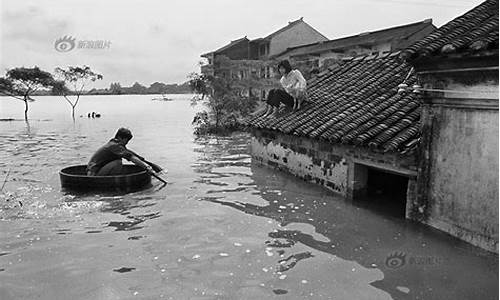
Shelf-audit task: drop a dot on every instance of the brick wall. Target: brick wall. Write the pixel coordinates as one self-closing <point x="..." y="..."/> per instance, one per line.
<point x="329" y="165"/>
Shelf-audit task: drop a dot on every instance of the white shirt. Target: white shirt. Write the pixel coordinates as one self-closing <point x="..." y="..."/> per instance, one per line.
<point x="293" y="82"/>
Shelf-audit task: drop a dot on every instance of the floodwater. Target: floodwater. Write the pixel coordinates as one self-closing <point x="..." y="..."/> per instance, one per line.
<point x="223" y="228"/>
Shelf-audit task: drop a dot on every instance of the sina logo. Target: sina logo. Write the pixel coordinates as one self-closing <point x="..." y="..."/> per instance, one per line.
<point x="395" y="260"/>
<point x="65" y="44"/>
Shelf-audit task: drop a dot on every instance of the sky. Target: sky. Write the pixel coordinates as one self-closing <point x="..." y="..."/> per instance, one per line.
<point x="159" y="40"/>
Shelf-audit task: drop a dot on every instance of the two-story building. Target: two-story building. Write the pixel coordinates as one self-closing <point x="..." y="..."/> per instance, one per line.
<point x="250" y="58"/>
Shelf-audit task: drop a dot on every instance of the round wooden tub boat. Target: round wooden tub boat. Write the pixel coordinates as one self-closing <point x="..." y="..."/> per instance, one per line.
<point x="133" y="178"/>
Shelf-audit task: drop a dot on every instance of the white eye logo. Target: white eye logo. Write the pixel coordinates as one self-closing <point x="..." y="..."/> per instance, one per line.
<point x="395" y="260"/>
<point x="65" y="44"/>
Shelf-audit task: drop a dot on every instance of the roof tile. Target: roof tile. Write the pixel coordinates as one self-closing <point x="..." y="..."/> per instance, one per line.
<point x="356" y="103"/>
<point x="474" y="31"/>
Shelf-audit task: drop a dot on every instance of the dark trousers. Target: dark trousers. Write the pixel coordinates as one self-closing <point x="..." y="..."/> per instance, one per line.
<point x="278" y="96"/>
<point x="112" y="168"/>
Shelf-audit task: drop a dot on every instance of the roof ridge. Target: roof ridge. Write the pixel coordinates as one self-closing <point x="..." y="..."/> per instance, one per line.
<point x="357" y="35"/>
<point x="289" y="25"/>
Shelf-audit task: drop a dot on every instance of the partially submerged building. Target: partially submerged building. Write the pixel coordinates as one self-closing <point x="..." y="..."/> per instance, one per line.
<point x="369" y="128"/>
<point x="458" y="179"/>
<point x="355" y="130"/>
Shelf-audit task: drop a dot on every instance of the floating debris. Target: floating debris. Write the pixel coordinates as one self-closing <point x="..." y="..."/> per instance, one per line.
<point x="280" y="291"/>
<point x="403" y="289"/>
<point x="123" y="270"/>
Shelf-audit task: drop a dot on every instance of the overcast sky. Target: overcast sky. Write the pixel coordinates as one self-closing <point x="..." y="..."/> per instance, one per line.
<point x="159" y="40"/>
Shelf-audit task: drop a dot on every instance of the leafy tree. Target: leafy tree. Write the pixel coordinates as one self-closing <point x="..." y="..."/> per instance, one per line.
<point x="157" y="88"/>
<point x="72" y="81"/>
<point x="225" y="105"/>
<point x="115" y="88"/>
<point x="21" y="83"/>
<point x="136" y="89"/>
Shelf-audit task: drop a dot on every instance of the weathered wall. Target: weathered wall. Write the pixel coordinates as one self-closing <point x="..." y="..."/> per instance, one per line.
<point x="300" y="34"/>
<point x="332" y="166"/>
<point x="459" y="181"/>
<point x="464" y="174"/>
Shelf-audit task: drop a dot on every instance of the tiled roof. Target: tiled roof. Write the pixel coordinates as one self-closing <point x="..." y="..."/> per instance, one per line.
<point x="231" y="44"/>
<point x="473" y="32"/>
<point x="401" y="32"/>
<point x="356" y="104"/>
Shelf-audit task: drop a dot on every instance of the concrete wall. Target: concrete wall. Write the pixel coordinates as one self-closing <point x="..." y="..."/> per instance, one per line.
<point x="300" y="34"/>
<point x="459" y="178"/>
<point x="336" y="167"/>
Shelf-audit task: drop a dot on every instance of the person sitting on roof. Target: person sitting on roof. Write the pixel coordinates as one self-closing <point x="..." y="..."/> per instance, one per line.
<point x="293" y="92"/>
<point x="107" y="160"/>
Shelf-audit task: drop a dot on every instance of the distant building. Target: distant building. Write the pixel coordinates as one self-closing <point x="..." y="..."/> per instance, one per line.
<point x="374" y="42"/>
<point x="307" y="49"/>
<point x="458" y="180"/>
<point x="294" y="34"/>
<point x="249" y="58"/>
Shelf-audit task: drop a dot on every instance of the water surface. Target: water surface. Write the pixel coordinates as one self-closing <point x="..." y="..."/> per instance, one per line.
<point x="223" y="228"/>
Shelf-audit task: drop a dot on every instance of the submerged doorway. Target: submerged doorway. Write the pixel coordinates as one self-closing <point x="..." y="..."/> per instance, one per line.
<point x="382" y="191"/>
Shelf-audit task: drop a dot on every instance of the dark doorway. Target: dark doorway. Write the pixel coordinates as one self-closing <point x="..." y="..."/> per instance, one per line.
<point x="385" y="192"/>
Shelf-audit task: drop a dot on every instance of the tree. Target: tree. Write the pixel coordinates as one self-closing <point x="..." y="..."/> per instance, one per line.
<point x="137" y="88"/>
<point x="21" y="83"/>
<point x="222" y="97"/>
<point x="115" y="88"/>
<point x="157" y="88"/>
<point x="72" y="81"/>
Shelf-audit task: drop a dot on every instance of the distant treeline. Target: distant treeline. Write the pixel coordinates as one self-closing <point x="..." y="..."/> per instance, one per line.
<point x="115" y="88"/>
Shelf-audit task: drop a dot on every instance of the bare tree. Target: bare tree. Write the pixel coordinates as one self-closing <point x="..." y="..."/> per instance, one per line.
<point x="72" y="82"/>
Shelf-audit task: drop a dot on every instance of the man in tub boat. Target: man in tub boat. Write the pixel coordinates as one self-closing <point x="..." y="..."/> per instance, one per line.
<point x="107" y="160"/>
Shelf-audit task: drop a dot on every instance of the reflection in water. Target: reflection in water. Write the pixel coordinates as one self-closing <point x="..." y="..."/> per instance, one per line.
<point x="347" y="232"/>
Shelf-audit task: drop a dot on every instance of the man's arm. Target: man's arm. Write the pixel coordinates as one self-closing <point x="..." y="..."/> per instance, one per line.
<point x="140" y="163"/>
